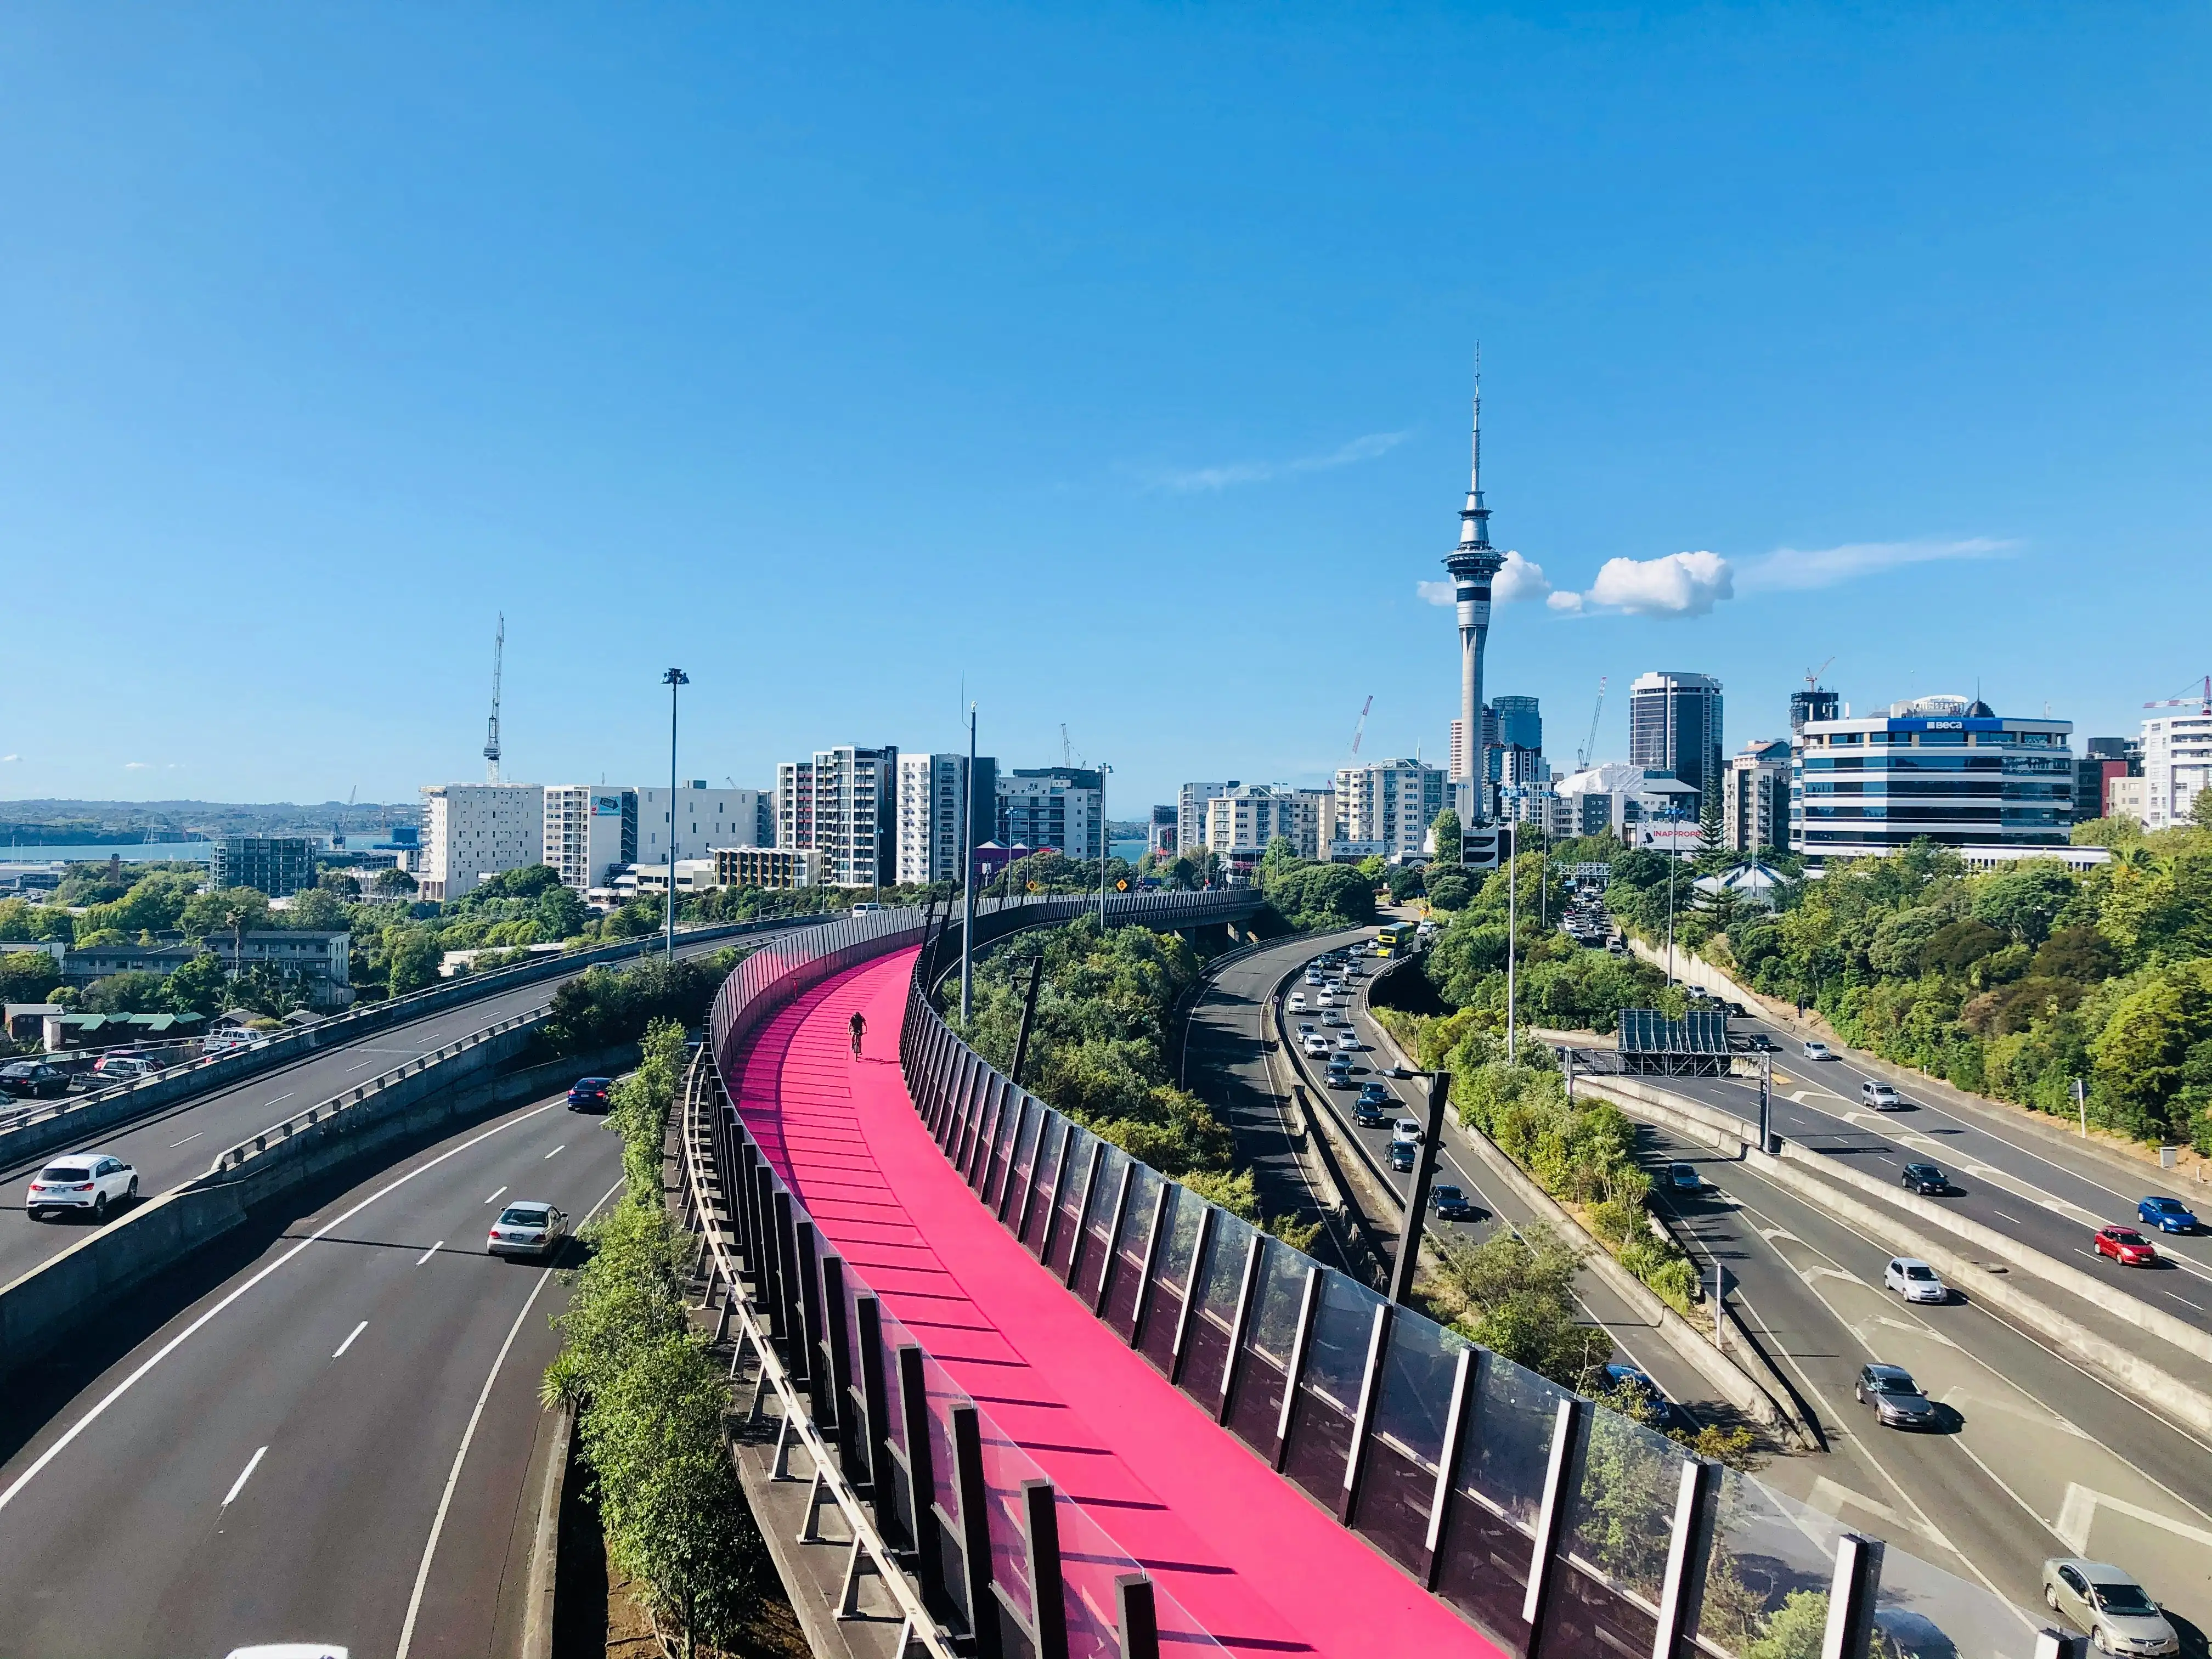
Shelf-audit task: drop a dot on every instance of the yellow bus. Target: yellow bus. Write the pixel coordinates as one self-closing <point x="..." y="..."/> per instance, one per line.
<point x="1394" y="938"/>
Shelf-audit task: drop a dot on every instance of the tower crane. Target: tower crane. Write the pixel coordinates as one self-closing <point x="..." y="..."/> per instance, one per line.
<point x="1582" y="755"/>
<point x="491" y="728"/>
<point x="1360" y="730"/>
<point x="1813" y="676"/>
<point x="2203" y="702"/>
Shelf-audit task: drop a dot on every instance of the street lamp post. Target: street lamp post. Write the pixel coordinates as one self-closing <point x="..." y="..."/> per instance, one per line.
<point x="1511" y="829"/>
<point x="1102" y="845"/>
<point x="1671" y="815"/>
<point x="673" y="678"/>
<point x="967" y="879"/>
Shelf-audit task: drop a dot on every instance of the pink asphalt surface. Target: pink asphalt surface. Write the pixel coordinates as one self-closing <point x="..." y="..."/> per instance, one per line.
<point x="1251" y="1558"/>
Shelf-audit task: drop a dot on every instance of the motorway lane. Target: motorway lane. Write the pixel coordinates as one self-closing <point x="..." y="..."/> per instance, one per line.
<point x="2020" y="1474"/>
<point x="274" y="1465"/>
<point x="178" y="1142"/>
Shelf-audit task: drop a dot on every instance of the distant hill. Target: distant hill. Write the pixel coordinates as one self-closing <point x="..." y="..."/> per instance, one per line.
<point x="64" y="822"/>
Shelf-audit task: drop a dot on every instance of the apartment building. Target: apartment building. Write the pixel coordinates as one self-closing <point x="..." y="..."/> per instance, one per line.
<point x="2177" y="763"/>
<point x="930" y="798"/>
<point x="1190" y="811"/>
<point x="778" y="867"/>
<point x="472" y="830"/>
<point x="590" y="832"/>
<point x="1755" y="796"/>
<point x="275" y="864"/>
<point x="1248" y="819"/>
<point x="1388" y="806"/>
<point x="1056" y="807"/>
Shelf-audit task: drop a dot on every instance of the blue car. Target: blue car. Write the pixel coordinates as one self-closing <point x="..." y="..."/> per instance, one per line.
<point x="2169" y="1215"/>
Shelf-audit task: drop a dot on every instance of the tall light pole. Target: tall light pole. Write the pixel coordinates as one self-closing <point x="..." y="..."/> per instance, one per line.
<point x="968" y="877"/>
<point x="1672" y="815"/>
<point x="673" y="678"/>
<point x="1510" y="793"/>
<point x="1103" y="770"/>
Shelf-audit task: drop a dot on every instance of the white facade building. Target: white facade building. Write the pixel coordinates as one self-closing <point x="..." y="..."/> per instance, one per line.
<point x="1626" y="800"/>
<point x="1755" y="796"/>
<point x="2176" y="763"/>
<point x="590" y="831"/>
<point x="705" y="819"/>
<point x="1190" y="811"/>
<point x="1247" y="819"/>
<point x="1056" y="807"/>
<point x="1388" y="804"/>
<point x="472" y="830"/>
<point x="929" y="818"/>
<point x="842" y="805"/>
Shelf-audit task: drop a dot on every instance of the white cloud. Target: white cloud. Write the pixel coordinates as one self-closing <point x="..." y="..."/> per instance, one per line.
<point x="1678" y="585"/>
<point x="1520" y="578"/>
<point x="1243" y="472"/>
<point x="4" y="759"/>
<point x="138" y="766"/>
<point x="1793" y="569"/>
<point x="1565" y="598"/>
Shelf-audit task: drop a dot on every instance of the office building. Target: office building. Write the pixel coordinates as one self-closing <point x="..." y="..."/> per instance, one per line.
<point x="775" y="867"/>
<point x="2103" y="759"/>
<point x="1190" y="811"/>
<point x="1249" y="818"/>
<point x="930" y="826"/>
<point x="2177" y="763"/>
<point x="704" y="819"/>
<point x="472" y="830"/>
<point x="1812" y="704"/>
<point x="1160" y="839"/>
<point x="1520" y="723"/>
<point x="275" y="864"/>
<point x="1473" y="566"/>
<point x="1755" y="796"/>
<point x="1642" y="805"/>
<point x="590" y="832"/>
<point x="1053" y="806"/>
<point x="1945" y="768"/>
<point x="1675" y="725"/>
<point x="1387" y="806"/>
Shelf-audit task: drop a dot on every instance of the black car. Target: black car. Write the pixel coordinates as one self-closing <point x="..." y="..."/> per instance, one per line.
<point x="1402" y="1155"/>
<point x="1445" y="1193"/>
<point x="32" y="1079"/>
<point x="1759" y="1042"/>
<point x="1737" y="1011"/>
<point x="1458" y="1209"/>
<point x="1924" y="1178"/>
<point x="1367" y="1113"/>
<point x="590" y="1094"/>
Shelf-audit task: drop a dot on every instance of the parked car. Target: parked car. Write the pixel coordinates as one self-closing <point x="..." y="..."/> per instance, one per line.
<point x="1685" y="1178"/>
<point x="1896" y="1398"/>
<point x="112" y="1069"/>
<point x="527" y="1229"/>
<point x="1914" y="1279"/>
<point x="1818" y="1050"/>
<point x="2125" y="1246"/>
<point x="2169" y="1215"/>
<point x="2118" y="1615"/>
<point x="1880" y="1096"/>
<point x="227" y="1041"/>
<point x="33" y="1079"/>
<point x="589" y="1094"/>
<point x="1924" y="1178"/>
<point x="90" y="1181"/>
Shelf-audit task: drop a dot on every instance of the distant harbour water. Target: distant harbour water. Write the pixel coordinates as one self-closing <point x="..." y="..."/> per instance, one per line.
<point x="1130" y="850"/>
<point x="130" y="851"/>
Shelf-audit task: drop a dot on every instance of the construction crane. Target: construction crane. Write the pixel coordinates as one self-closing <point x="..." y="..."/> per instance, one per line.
<point x="1813" y="676"/>
<point x="1582" y="755"/>
<point x="491" y="729"/>
<point x="2203" y="703"/>
<point x="1360" y="730"/>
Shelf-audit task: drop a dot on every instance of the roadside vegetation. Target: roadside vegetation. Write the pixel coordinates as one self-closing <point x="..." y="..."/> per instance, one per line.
<point x="650" y="1396"/>
<point x="604" y="1006"/>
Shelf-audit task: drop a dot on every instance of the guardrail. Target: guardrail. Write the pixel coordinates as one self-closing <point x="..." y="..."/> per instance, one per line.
<point x="1553" y="1525"/>
<point x="214" y="1071"/>
<point x="231" y="1156"/>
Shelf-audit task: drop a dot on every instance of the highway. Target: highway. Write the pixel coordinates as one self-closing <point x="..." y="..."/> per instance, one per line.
<point x="276" y="1459"/>
<point x="177" y="1143"/>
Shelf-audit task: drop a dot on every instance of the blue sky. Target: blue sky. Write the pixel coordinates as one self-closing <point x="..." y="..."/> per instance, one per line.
<point x="1115" y="357"/>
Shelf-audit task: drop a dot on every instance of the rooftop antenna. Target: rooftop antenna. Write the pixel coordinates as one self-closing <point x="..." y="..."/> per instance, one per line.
<point x="491" y="727"/>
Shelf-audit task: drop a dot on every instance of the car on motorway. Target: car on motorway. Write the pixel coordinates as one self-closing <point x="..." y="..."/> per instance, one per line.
<point x="89" y="1181"/>
<point x="1880" y="1096"/>
<point x="529" y="1228"/>
<point x="1914" y="1279"/>
<point x="1924" y="1178"/>
<point x="1461" y="1208"/>
<point x="1638" y="1386"/>
<point x="2125" y="1246"/>
<point x="1737" y="1011"/>
<point x="1685" y="1178"/>
<point x="1816" y="1050"/>
<point x="1760" y="1043"/>
<point x="1402" y="1155"/>
<point x="2116" y="1611"/>
<point x="1896" y="1398"/>
<point x="1406" y="1130"/>
<point x="589" y="1094"/>
<point x="1348" y="1041"/>
<point x="33" y="1079"/>
<point x="1368" y="1113"/>
<point x="1377" y="1093"/>
<point x="1297" y="1000"/>
<point x="1340" y="1071"/>
<point x="1444" y="1191"/>
<point x="2169" y="1215"/>
<point x="1316" y="1042"/>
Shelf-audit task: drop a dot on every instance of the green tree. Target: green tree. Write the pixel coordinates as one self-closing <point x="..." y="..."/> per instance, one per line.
<point x="134" y="991"/>
<point x="317" y="910"/>
<point x="412" y="959"/>
<point x="560" y="913"/>
<point x="394" y="880"/>
<point x="341" y="883"/>
<point x="1448" y="890"/>
<point x="1448" y="837"/>
<point x="1517" y="1290"/>
<point x="199" y="986"/>
<point x="236" y="911"/>
<point x="27" y="976"/>
<point x="22" y="920"/>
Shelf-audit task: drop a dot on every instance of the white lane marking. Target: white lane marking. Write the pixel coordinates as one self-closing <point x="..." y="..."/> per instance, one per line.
<point x="2079" y="1513"/>
<point x="347" y="1343"/>
<point x="239" y="1485"/>
<point x="280" y="1099"/>
<point x="2013" y="1218"/>
<point x="494" y="1195"/>
<point x="428" y="1254"/>
<point x="371" y="1060"/>
<point x="453" y="1476"/>
<point x="556" y="1151"/>
<point x="195" y="1135"/>
<point x="178" y="1342"/>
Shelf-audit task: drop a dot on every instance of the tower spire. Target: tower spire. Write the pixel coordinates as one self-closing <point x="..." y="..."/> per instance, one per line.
<point x="1473" y="564"/>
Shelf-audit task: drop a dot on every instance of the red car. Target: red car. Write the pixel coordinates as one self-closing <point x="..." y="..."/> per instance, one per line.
<point x="2125" y="1246"/>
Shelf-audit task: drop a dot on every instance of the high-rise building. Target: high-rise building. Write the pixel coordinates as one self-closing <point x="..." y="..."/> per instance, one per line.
<point x="1190" y="811"/>
<point x="1520" y="722"/>
<point x="1248" y="819"/>
<point x="590" y="831"/>
<point x="1473" y="564"/>
<point x="472" y="830"/>
<point x="1384" y="808"/>
<point x="1675" y="725"/>
<point x="1054" y="807"/>
<point x="1943" y="767"/>
<point x="278" y="865"/>
<point x="2103" y="759"/>
<point x="2177" y="763"/>
<point x="1812" y="704"/>
<point x="1755" y="796"/>
<point x="855" y="815"/>
<point x="929" y="814"/>
<point x="794" y="804"/>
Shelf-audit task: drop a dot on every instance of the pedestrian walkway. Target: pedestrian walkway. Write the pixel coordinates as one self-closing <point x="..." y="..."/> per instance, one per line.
<point x="1250" y="1556"/>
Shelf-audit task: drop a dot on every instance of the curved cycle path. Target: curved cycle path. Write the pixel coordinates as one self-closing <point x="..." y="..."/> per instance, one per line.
<point x="1253" y="1560"/>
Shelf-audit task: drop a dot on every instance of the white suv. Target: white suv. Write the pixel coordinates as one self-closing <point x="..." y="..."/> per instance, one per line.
<point x="84" y="1181"/>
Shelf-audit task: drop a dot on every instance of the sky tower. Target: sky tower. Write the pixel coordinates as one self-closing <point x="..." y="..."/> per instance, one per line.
<point x="1472" y="564"/>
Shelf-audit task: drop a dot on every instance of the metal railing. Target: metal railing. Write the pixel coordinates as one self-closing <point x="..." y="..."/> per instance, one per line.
<point x="1552" y="1525"/>
<point x="276" y="1133"/>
